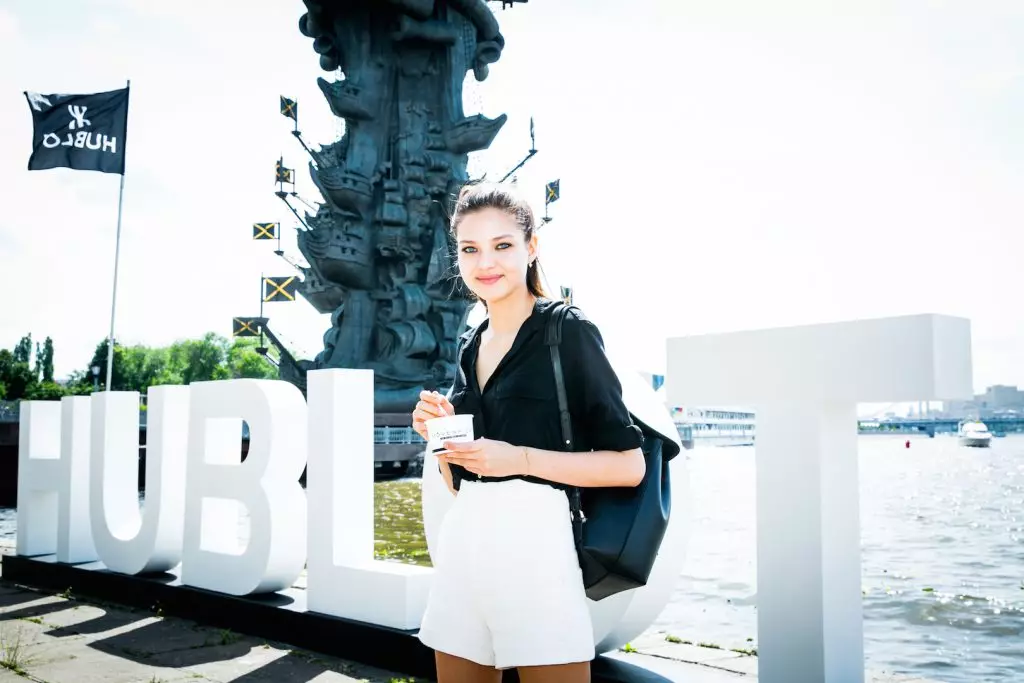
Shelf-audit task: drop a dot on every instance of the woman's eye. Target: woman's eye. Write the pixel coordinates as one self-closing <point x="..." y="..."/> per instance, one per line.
<point x="504" y="245"/>
<point x="469" y="250"/>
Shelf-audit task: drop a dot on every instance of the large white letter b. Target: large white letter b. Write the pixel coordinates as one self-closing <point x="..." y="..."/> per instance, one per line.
<point x="266" y="484"/>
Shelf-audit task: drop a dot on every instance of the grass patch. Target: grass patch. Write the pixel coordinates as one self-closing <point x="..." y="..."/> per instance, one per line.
<point x="710" y="646"/>
<point x="12" y="650"/>
<point x="398" y="523"/>
<point x="227" y="637"/>
<point x="677" y="640"/>
<point x="752" y="652"/>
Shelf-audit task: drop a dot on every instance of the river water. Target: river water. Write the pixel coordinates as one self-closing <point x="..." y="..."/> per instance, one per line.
<point x="942" y="540"/>
<point x="942" y="530"/>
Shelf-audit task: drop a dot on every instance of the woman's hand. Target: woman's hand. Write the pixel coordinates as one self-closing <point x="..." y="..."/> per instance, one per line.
<point x="431" y="405"/>
<point x="487" y="458"/>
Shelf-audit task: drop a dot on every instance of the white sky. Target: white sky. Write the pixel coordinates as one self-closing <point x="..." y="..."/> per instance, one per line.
<point x="725" y="165"/>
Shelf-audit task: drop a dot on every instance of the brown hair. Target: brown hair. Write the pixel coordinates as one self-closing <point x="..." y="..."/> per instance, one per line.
<point x="478" y="196"/>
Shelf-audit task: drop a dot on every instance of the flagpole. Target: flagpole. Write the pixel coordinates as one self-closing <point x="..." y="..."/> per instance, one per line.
<point x="262" y="285"/>
<point x="117" y="258"/>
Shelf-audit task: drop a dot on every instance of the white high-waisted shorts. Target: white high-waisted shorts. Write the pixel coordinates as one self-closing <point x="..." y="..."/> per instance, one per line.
<point x="507" y="589"/>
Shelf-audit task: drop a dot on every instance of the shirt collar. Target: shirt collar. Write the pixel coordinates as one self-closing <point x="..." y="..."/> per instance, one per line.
<point x="536" y="319"/>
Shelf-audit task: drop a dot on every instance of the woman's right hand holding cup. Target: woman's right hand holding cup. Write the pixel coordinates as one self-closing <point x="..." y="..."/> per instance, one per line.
<point x="431" y="405"/>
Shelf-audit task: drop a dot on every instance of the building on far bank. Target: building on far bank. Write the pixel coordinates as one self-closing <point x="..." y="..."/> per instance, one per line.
<point x="999" y="399"/>
<point x="715" y="425"/>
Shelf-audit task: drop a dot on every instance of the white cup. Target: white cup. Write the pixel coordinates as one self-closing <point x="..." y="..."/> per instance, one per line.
<point x="455" y="428"/>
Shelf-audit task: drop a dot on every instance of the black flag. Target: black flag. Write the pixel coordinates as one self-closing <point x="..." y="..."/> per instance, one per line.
<point x="553" y="191"/>
<point x="247" y="327"/>
<point x="289" y="108"/>
<point x="264" y="231"/>
<point x="85" y="132"/>
<point x="283" y="174"/>
<point x="279" y="288"/>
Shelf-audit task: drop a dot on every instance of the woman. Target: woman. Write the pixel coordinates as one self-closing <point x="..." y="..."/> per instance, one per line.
<point x="508" y="590"/>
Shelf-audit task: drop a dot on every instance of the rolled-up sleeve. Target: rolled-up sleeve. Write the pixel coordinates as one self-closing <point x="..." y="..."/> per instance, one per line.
<point x="595" y="393"/>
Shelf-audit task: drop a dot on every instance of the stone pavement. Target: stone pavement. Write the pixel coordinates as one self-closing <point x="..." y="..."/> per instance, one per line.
<point x="50" y="638"/>
<point x="60" y="639"/>
<point x="664" y="654"/>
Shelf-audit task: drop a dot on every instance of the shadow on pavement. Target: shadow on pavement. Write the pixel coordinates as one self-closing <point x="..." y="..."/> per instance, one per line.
<point x="292" y="667"/>
<point x="14" y="599"/>
<point x="171" y="643"/>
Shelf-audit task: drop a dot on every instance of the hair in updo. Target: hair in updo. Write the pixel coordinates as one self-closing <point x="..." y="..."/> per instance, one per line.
<point x="476" y="197"/>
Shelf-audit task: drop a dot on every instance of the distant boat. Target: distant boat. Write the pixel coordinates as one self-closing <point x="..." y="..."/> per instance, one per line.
<point x="974" y="433"/>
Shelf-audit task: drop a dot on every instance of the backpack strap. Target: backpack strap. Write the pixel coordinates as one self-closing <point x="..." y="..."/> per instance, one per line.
<point x="552" y="338"/>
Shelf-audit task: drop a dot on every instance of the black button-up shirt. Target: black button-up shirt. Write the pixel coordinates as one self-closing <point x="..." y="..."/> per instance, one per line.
<point x="519" y="404"/>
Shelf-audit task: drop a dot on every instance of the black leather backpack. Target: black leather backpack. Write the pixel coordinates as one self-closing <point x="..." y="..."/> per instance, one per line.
<point x="618" y="530"/>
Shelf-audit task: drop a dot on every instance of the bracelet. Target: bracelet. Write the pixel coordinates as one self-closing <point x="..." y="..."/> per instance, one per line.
<point x="526" y="454"/>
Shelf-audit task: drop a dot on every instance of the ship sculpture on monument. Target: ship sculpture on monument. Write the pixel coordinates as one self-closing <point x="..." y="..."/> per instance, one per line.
<point x="378" y="247"/>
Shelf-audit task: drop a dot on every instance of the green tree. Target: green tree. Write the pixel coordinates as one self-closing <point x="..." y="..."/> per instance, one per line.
<point x="200" y="360"/>
<point x="244" y="361"/>
<point x="136" y="368"/>
<point x="213" y="357"/>
<point x="79" y="383"/>
<point x="15" y="375"/>
<point x="99" y="359"/>
<point x="46" y="361"/>
<point x="23" y="351"/>
<point x="45" y="391"/>
<point x="142" y="366"/>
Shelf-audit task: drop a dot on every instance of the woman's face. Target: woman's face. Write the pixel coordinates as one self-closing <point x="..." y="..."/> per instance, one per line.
<point x="493" y="255"/>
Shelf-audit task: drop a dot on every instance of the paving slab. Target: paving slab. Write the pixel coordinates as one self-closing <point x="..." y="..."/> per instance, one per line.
<point x="748" y="665"/>
<point x="691" y="653"/>
<point x="681" y="672"/>
<point x="64" y="639"/>
<point x="58" y="639"/>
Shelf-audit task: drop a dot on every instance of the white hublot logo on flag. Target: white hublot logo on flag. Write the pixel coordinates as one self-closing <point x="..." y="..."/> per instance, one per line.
<point x="81" y="139"/>
<point x="78" y="119"/>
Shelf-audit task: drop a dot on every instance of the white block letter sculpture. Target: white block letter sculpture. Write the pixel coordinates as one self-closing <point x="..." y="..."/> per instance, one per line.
<point x="127" y="541"/>
<point x="266" y="485"/>
<point x="42" y="476"/>
<point x="344" y="579"/>
<point x="804" y="384"/>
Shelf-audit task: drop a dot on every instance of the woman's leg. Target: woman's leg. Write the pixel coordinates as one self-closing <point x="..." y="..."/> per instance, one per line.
<point x="558" y="673"/>
<point x="451" y="669"/>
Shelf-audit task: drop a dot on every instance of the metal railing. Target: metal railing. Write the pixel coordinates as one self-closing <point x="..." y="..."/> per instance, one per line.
<point x="10" y="411"/>
<point x="396" y="435"/>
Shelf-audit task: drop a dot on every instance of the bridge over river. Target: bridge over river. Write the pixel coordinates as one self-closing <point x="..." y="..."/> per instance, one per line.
<point x="935" y="425"/>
